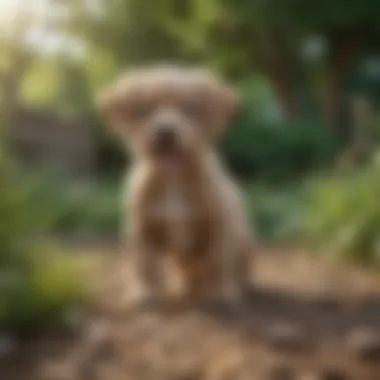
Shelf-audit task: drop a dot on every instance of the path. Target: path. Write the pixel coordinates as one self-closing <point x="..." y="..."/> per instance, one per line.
<point x="287" y="332"/>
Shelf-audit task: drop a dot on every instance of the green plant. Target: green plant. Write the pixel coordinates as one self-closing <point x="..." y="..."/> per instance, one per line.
<point x="274" y="210"/>
<point x="38" y="293"/>
<point x="38" y="283"/>
<point x="93" y="208"/>
<point x="343" y="214"/>
<point x="277" y="152"/>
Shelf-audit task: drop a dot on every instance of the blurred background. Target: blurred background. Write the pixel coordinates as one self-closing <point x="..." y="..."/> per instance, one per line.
<point x="304" y="146"/>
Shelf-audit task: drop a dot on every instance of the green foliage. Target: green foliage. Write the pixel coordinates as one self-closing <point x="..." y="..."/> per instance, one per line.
<point x="343" y="214"/>
<point x="37" y="91"/>
<point x="274" y="211"/>
<point x="38" y="291"/>
<point x="93" y="209"/>
<point x="132" y="31"/>
<point x="82" y="208"/>
<point x="20" y="203"/>
<point x="313" y="15"/>
<point x="38" y="283"/>
<point x="276" y="151"/>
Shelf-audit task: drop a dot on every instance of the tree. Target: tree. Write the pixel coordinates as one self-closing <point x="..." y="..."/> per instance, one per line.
<point x="16" y="61"/>
<point x="233" y="36"/>
<point x="267" y="35"/>
<point x="345" y="25"/>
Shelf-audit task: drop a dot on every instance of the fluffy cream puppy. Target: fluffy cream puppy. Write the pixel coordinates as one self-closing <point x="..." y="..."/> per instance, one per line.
<point x="181" y="203"/>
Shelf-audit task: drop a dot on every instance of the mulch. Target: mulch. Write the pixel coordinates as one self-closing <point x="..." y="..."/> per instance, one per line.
<point x="297" y="323"/>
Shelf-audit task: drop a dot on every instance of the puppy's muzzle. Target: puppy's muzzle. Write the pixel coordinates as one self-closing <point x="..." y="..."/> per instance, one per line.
<point x="166" y="144"/>
<point x="166" y="137"/>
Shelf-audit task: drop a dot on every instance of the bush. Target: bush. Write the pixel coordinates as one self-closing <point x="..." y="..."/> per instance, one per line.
<point x="277" y="152"/>
<point x="38" y="293"/>
<point x="274" y="210"/>
<point x="92" y="208"/>
<point x="343" y="214"/>
<point x="38" y="283"/>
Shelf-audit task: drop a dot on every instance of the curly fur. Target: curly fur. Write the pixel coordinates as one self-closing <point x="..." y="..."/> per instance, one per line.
<point x="184" y="207"/>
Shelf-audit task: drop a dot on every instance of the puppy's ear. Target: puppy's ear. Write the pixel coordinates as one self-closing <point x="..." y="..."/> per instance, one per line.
<point x="110" y="103"/>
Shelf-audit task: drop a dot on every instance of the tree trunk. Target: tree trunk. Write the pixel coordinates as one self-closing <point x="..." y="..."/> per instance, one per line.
<point x="341" y="50"/>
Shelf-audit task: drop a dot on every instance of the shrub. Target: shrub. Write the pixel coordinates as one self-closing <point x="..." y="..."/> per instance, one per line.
<point x="276" y="151"/>
<point x="343" y="214"/>
<point x="87" y="208"/>
<point x="274" y="210"/>
<point x="38" y="283"/>
<point x="38" y="293"/>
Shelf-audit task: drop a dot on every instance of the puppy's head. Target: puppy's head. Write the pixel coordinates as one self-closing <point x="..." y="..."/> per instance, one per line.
<point x="169" y="114"/>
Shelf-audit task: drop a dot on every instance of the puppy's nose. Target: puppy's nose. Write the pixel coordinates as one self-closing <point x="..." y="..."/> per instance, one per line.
<point x="166" y="135"/>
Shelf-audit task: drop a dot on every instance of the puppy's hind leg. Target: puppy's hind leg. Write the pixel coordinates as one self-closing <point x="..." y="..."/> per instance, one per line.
<point x="227" y="267"/>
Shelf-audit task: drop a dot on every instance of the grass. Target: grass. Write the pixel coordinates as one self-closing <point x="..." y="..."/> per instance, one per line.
<point x="39" y="281"/>
<point x="39" y="294"/>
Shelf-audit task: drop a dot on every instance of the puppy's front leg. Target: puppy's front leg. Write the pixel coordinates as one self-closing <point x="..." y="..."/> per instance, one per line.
<point x="148" y="269"/>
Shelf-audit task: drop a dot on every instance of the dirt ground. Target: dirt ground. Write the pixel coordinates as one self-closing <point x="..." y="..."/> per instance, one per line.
<point x="301" y="321"/>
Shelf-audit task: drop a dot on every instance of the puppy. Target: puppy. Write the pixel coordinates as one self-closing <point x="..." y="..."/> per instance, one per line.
<point x="181" y="203"/>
